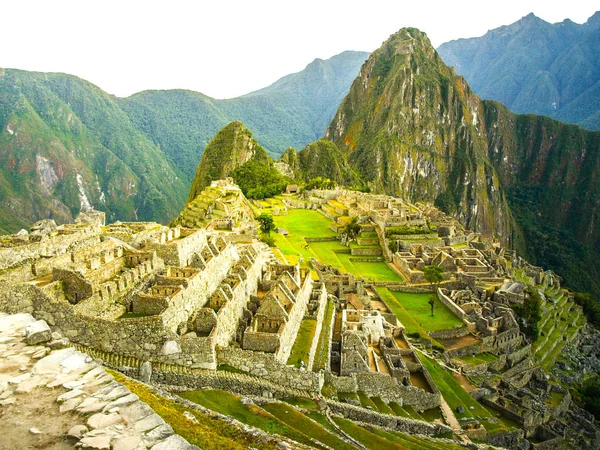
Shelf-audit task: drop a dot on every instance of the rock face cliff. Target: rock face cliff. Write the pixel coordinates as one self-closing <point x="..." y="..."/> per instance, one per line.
<point x="412" y="128"/>
<point x="232" y="147"/>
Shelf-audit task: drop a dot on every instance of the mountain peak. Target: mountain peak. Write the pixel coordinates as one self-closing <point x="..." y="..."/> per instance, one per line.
<point x="231" y="147"/>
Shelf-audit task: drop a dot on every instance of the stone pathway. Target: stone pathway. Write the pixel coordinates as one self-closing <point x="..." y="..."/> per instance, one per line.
<point x="54" y="397"/>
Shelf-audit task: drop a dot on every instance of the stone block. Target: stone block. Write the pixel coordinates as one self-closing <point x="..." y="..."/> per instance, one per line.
<point x="171" y="348"/>
<point x="37" y="333"/>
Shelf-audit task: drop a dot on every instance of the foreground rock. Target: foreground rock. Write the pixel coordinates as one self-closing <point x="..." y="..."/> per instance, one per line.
<point x="71" y="386"/>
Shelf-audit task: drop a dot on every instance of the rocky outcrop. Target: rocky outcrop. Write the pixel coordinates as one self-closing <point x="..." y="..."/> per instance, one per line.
<point x="97" y="411"/>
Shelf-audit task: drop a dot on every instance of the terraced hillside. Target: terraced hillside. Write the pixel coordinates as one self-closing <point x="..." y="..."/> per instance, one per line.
<point x="560" y="324"/>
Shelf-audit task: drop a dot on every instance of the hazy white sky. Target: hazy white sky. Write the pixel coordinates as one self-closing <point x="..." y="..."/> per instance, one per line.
<point x="228" y="48"/>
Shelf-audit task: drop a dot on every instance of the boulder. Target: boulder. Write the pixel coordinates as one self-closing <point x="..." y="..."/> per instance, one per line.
<point x="37" y="332"/>
<point x="145" y="372"/>
<point x="171" y="348"/>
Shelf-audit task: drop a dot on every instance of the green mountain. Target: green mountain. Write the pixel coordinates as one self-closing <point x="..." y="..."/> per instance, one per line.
<point x="411" y="127"/>
<point x="66" y="145"/>
<point x="293" y="111"/>
<point x="533" y="66"/>
<point x="231" y="148"/>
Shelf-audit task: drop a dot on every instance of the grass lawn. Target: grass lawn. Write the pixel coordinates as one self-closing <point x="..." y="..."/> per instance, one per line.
<point x="323" y="345"/>
<point x="305" y="223"/>
<point x="300" y="422"/>
<point x="382" y="406"/>
<point x="455" y="396"/>
<point x="226" y="403"/>
<point x="208" y="433"/>
<point x="479" y="359"/>
<point x="412" y="442"/>
<point x="368" y="439"/>
<point x="415" y="308"/>
<point x="304" y="340"/>
<point x="366" y="402"/>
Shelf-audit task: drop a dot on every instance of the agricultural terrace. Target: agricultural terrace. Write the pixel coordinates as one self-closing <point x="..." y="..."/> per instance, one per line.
<point x="414" y="311"/>
<point x="304" y="223"/>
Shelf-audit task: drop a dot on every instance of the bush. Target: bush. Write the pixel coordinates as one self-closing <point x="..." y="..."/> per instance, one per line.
<point x="267" y="239"/>
<point x="530" y="312"/>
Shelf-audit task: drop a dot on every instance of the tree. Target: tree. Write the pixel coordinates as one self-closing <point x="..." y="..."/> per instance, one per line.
<point x="352" y="228"/>
<point x="267" y="224"/>
<point x="433" y="275"/>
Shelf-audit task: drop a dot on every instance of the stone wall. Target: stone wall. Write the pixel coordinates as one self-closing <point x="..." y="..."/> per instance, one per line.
<point x="290" y="331"/>
<point x="179" y="252"/>
<point x="264" y="365"/>
<point x="397" y="423"/>
<point x="200" y="287"/>
<point x="388" y="388"/>
<point x="451" y="333"/>
<point x="229" y="314"/>
<point x="322" y="292"/>
<point x="50" y="246"/>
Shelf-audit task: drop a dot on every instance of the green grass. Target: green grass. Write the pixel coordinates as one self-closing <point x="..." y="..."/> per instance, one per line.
<point x="209" y="433"/>
<point x="455" y="396"/>
<point x="226" y="403"/>
<point x="304" y="339"/>
<point x="382" y="406"/>
<point x="368" y="439"/>
<point x="344" y="395"/>
<point x="304" y="223"/>
<point x="412" y="442"/>
<point x="323" y="345"/>
<point x="482" y="358"/>
<point x="555" y="399"/>
<point x="399" y="410"/>
<point x="300" y="422"/>
<point x="302" y="402"/>
<point x="415" y="308"/>
<point x="366" y="402"/>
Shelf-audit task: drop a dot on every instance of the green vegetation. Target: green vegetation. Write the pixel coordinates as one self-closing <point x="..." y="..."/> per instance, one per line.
<point x="481" y="358"/>
<point x="302" y="423"/>
<point x="231" y="405"/>
<point x="304" y="340"/>
<point x="267" y="224"/>
<point x="301" y="224"/>
<point x="589" y="395"/>
<point x="413" y="311"/>
<point x="531" y="313"/>
<point x="365" y="437"/>
<point x="321" y="355"/>
<point x="320" y="183"/>
<point x="259" y="179"/>
<point x="208" y="433"/>
<point x="455" y="396"/>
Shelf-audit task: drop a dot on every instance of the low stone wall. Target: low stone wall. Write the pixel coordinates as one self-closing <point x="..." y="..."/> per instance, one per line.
<point x="457" y="310"/>
<point x="266" y="366"/>
<point x="365" y="251"/>
<point x="402" y="424"/>
<point x="316" y="338"/>
<point x="388" y="388"/>
<point x="451" y="333"/>
<point x="341" y="384"/>
<point x="322" y="239"/>
<point x="474" y="349"/>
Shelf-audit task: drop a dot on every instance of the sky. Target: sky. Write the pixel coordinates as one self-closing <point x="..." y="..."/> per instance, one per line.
<point x="229" y="48"/>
